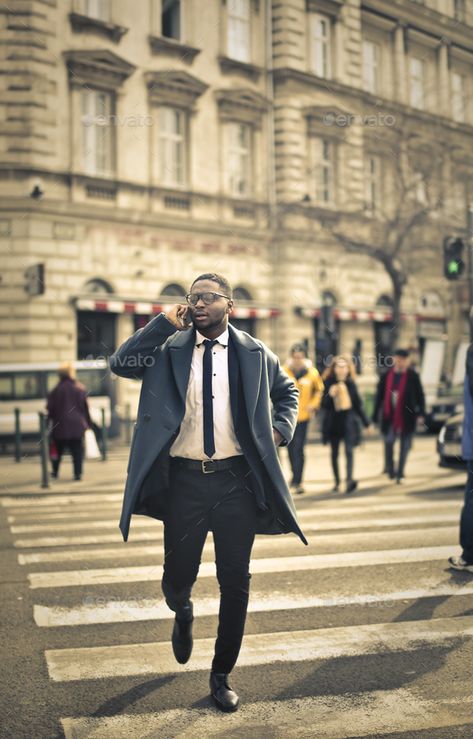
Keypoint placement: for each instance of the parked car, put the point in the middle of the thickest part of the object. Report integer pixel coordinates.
(449, 443)
(447, 402)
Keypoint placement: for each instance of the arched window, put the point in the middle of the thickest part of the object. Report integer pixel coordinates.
(98, 285)
(384, 301)
(329, 299)
(241, 293)
(173, 290)
(383, 335)
(327, 328)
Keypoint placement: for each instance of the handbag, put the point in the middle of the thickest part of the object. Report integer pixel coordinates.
(91, 447)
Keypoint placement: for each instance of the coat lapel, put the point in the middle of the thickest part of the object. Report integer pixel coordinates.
(181, 351)
(248, 354)
(233, 377)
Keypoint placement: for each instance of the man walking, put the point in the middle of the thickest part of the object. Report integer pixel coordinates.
(310, 386)
(399, 403)
(214, 406)
(465, 561)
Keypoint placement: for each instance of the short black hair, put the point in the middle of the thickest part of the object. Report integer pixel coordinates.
(401, 353)
(219, 279)
(298, 348)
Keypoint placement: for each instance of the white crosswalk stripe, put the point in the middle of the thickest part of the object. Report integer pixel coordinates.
(408, 539)
(372, 713)
(69, 578)
(88, 663)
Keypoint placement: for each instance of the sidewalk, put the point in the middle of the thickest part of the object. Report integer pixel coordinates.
(423, 472)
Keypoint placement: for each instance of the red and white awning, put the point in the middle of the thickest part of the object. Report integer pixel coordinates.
(360, 316)
(345, 314)
(109, 305)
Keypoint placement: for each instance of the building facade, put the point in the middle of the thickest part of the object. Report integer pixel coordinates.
(138, 149)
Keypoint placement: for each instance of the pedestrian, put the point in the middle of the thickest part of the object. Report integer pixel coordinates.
(398, 405)
(214, 406)
(343, 413)
(310, 386)
(69, 417)
(465, 561)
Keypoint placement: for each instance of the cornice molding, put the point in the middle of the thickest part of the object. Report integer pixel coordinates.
(175, 87)
(101, 68)
(232, 66)
(84, 23)
(170, 47)
(241, 104)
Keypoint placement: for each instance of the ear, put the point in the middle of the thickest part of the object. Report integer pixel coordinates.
(229, 306)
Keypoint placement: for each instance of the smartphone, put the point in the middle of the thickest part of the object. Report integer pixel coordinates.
(184, 316)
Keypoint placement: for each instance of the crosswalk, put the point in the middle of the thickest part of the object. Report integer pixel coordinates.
(348, 631)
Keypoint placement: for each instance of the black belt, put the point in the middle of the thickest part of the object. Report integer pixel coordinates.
(211, 465)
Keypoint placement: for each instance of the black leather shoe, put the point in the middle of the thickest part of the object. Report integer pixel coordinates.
(182, 641)
(224, 697)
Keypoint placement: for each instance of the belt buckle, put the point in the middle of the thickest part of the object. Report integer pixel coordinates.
(204, 462)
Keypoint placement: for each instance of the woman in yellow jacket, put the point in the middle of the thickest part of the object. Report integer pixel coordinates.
(310, 386)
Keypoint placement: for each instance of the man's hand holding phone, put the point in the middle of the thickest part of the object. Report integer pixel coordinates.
(179, 316)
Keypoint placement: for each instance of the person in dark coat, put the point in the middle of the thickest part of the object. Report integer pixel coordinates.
(69, 417)
(464, 562)
(214, 406)
(399, 403)
(342, 414)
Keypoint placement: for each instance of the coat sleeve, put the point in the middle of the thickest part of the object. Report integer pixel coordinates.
(284, 397)
(469, 368)
(420, 395)
(142, 349)
(358, 407)
(379, 399)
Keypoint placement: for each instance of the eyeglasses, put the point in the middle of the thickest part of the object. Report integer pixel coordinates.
(208, 298)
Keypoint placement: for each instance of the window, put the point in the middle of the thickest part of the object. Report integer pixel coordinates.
(172, 146)
(417, 82)
(373, 184)
(99, 9)
(97, 132)
(458, 97)
(239, 157)
(171, 19)
(320, 45)
(323, 159)
(371, 66)
(459, 10)
(238, 30)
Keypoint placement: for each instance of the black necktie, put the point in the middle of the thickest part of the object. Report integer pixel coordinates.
(209, 441)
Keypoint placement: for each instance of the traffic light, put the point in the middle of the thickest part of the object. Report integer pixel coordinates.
(453, 264)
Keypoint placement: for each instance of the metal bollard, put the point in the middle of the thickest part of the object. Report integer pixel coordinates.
(104, 436)
(17, 435)
(44, 450)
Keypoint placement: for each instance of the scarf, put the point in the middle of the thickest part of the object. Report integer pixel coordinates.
(398, 419)
(342, 400)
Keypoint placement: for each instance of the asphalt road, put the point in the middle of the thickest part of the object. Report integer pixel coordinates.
(364, 633)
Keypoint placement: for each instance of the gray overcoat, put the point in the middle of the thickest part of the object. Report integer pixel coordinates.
(161, 357)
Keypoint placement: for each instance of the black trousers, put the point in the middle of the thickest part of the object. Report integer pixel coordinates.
(405, 443)
(221, 502)
(75, 448)
(335, 447)
(295, 449)
(466, 519)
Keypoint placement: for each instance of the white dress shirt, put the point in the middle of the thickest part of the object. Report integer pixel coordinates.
(190, 442)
